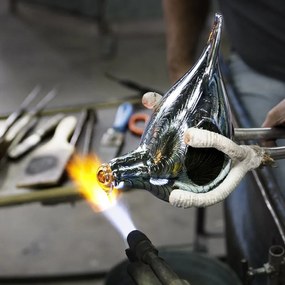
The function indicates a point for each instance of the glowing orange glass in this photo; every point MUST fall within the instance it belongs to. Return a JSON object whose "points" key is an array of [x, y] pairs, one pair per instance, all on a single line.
{"points": [[83, 171]]}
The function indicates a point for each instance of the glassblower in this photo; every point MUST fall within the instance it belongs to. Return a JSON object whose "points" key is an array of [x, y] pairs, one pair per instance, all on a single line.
{"points": [[186, 155]]}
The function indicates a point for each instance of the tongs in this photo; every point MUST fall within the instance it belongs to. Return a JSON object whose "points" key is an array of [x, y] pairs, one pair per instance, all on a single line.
{"points": [[245, 134], [22, 120]]}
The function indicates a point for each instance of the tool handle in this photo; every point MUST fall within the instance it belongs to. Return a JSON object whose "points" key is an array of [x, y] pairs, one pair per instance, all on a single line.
{"points": [[50, 125], [18, 126], [23, 147], [275, 152], [92, 117], [79, 126], [20, 146], [64, 129], [122, 117], [22, 133], [259, 133], [10, 121]]}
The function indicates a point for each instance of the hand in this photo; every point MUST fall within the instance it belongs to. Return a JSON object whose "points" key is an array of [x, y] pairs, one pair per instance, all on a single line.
{"points": [[276, 116]]}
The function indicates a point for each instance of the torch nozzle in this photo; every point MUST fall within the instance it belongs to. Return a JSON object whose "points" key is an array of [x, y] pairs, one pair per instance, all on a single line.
{"points": [[105, 177], [142, 254]]}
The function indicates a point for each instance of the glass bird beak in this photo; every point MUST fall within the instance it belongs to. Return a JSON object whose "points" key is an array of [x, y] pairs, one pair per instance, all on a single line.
{"points": [[105, 177]]}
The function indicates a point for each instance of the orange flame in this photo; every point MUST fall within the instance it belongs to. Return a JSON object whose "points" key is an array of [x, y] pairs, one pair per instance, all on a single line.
{"points": [[83, 171]]}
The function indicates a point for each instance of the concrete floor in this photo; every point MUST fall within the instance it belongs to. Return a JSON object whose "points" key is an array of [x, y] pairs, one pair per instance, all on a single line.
{"points": [[38, 46]]}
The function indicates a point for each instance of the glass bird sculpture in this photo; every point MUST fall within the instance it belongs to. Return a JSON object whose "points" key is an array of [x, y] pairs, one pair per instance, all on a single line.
{"points": [[163, 162]]}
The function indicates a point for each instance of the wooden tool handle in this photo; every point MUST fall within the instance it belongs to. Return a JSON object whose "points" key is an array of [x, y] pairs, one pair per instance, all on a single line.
{"points": [[65, 129]]}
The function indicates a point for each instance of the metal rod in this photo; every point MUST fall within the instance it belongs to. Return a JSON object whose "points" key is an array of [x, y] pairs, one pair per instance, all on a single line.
{"points": [[275, 152], [259, 133], [79, 126], [92, 118], [47, 195]]}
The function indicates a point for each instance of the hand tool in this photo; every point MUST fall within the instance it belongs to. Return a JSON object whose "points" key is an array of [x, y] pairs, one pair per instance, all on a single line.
{"points": [[87, 118], [21, 126], [47, 163], [14, 116], [34, 139], [24, 120], [91, 120], [79, 127], [112, 141], [85, 125]]}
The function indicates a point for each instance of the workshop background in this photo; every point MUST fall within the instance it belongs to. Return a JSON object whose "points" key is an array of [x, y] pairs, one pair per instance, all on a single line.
{"points": [[71, 45]]}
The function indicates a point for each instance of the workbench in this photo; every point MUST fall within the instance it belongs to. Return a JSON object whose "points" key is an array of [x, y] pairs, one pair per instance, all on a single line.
{"points": [[11, 195]]}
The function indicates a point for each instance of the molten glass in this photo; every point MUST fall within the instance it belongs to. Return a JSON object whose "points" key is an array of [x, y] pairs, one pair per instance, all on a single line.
{"points": [[83, 171]]}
